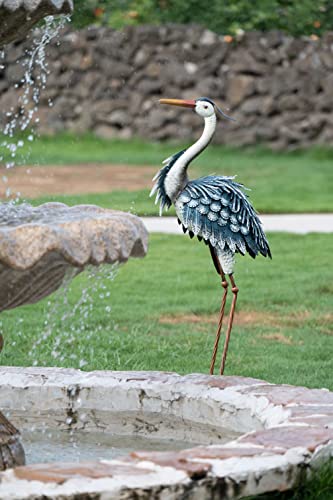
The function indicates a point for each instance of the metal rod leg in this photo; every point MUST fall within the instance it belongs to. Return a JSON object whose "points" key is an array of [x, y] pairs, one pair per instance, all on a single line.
{"points": [[234, 290], [218, 333]]}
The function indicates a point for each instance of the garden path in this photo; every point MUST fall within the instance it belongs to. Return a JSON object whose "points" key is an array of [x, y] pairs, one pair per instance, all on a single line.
{"points": [[291, 223]]}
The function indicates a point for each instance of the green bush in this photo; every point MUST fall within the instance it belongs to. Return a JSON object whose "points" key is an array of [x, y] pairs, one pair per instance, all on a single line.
{"points": [[304, 17]]}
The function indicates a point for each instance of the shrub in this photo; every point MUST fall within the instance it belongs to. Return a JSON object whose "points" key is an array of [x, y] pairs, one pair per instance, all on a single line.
{"points": [[304, 17]]}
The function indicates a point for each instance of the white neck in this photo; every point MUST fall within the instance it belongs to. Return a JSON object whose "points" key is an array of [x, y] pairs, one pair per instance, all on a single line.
{"points": [[177, 177], [196, 148]]}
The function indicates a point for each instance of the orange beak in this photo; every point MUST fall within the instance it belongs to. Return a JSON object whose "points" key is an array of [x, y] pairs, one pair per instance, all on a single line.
{"points": [[179, 102]]}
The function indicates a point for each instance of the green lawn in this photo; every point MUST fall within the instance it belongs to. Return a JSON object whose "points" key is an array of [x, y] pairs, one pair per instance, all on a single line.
{"points": [[290, 339], [299, 181]]}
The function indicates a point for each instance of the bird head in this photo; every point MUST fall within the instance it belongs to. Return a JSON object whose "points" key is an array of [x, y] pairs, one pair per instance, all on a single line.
{"points": [[203, 106]]}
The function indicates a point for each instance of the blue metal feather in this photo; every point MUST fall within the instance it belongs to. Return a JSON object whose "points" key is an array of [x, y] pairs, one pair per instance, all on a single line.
{"points": [[222, 215]]}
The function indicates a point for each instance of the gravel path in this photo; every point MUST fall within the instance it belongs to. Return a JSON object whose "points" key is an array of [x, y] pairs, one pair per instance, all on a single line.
{"points": [[291, 223]]}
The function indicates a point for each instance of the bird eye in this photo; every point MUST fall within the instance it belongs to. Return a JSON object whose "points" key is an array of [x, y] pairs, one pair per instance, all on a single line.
{"points": [[206, 107]]}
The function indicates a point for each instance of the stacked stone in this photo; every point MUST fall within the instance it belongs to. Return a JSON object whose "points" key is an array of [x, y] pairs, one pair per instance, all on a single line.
{"points": [[277, 87]]}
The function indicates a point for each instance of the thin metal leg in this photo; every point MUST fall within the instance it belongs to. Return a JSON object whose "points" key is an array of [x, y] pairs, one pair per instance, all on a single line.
{"points": [[234, 290], [218, 333]]}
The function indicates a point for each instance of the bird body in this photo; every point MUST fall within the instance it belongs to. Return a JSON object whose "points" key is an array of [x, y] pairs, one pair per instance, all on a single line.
{"points": [[213, 208]]}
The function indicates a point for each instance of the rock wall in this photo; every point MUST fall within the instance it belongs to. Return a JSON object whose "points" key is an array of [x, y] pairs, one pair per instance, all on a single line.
{"points": [[278, 88]]}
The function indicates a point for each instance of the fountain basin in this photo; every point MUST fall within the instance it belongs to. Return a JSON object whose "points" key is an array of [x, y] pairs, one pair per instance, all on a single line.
{"points": [[78, 446], [38, 246], [19, 16], [285, 432]]}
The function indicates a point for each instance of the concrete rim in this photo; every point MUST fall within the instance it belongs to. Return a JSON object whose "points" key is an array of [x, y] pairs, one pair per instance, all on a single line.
{"points": [[292, 429]]}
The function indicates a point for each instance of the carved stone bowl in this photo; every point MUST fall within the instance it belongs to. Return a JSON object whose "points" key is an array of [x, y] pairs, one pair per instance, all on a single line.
{"points": [[18, 16], [39, 245]]}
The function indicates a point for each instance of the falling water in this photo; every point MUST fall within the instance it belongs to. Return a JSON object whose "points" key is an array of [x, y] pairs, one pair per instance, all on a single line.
{"points": [[23, 118], [69, 330]]}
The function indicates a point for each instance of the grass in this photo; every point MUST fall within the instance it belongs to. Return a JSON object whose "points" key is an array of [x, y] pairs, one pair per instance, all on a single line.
{"points": [[299, 181], [294, 291], [136, 202]]}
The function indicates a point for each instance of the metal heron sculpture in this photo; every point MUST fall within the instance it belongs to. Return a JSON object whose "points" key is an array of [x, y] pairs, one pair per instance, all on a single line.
{"points": [[213, 208]]}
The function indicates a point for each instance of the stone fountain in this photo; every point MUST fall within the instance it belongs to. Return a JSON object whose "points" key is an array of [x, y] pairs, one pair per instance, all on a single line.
{"points": [[38, 246]]}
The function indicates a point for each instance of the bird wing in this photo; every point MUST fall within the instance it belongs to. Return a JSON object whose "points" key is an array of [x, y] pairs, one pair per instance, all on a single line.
{"points": [[217, 210], [159, 189]]}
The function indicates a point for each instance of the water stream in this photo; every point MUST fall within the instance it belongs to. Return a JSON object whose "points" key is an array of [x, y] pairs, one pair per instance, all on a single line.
{"points": [[22, 118], [66, 335]]}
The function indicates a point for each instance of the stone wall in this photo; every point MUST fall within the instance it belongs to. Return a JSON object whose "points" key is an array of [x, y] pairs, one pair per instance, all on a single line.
{"points": [[278, 88]]}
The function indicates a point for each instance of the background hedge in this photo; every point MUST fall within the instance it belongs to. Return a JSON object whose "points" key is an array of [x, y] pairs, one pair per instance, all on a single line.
{"points": [[297, 17]]}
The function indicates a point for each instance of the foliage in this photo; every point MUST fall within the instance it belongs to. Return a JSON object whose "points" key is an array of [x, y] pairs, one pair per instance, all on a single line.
{"points": [[89, 12], [223, 16]]}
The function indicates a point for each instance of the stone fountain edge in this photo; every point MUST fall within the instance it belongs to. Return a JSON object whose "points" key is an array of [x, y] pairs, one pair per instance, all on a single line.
{"points": [[296, 435]]}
